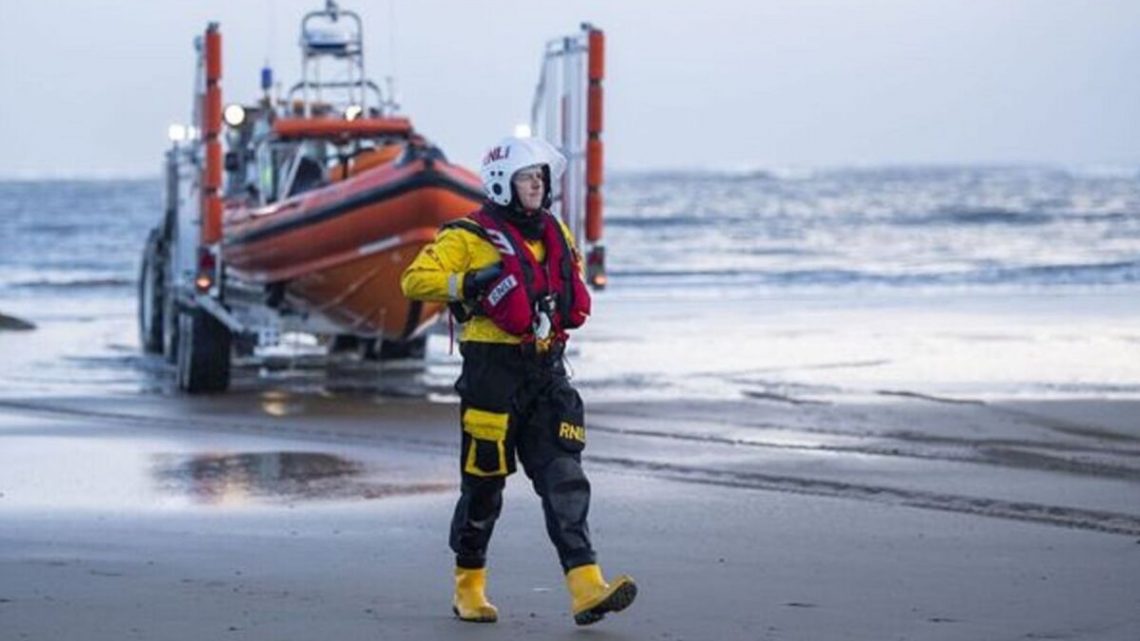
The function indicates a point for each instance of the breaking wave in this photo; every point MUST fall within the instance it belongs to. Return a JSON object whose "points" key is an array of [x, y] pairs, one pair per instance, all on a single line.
{"points": [[1036, 275]]}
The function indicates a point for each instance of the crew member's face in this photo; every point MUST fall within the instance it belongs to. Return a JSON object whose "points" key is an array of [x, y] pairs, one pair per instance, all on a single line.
{"points": [[529, 187]]}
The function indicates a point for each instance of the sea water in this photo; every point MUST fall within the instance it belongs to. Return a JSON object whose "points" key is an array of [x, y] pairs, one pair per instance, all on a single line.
{"points": [[950, 280]]}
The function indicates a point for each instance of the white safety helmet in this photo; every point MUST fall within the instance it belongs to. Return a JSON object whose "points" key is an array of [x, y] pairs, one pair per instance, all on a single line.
{"points": [[512, 154]]}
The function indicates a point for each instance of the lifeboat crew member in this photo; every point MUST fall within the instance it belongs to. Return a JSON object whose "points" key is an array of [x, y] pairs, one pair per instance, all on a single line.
{"points": [[512, 276]]}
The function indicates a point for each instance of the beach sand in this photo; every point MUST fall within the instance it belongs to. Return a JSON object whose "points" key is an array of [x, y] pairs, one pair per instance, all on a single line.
{"points": [[799, 487]]}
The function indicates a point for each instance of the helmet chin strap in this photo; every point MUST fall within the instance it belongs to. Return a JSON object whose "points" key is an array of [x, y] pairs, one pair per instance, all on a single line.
{"points": [[526, 221]]}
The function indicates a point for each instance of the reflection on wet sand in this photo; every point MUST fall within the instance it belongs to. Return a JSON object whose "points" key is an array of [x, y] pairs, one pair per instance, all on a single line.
{"points": [[280, 403], [283, 381], [228, 479]]}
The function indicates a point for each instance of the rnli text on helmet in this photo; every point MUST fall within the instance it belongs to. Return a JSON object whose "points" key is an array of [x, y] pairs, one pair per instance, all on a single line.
{"points": [[498, 153]]}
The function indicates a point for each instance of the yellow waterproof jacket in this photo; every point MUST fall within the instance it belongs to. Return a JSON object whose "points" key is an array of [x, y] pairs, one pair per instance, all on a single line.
{"points": [[436, 275]]}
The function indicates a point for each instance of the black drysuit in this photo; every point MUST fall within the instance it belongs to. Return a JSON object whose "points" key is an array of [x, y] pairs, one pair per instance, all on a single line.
{"points": [[545, 427]]}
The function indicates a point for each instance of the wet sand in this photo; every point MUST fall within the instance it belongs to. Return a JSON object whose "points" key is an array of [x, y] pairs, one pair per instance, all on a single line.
{"points": [[172, 518], [809, 468]]}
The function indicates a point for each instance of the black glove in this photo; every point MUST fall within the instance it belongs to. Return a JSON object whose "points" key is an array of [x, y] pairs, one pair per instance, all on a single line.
{"points": [[476, 282]]}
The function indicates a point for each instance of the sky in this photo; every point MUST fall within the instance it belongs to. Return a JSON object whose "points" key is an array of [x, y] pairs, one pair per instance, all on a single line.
{"points": [[91, 86]]}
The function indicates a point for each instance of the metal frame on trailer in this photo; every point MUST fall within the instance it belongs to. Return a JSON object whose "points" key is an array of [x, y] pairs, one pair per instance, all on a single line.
{"points": [[567, 112]]}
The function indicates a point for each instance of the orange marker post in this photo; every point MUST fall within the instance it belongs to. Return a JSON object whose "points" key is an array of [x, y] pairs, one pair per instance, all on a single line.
{"points": [[211, 133], [594, 110]]}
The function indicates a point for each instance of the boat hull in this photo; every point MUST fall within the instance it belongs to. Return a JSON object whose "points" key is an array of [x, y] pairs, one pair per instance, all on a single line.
{"points": [[339, 251]]}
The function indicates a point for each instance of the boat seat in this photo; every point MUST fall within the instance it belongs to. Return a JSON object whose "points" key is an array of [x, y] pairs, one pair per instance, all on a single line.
{"points": [[310, 175], [367, 159]]}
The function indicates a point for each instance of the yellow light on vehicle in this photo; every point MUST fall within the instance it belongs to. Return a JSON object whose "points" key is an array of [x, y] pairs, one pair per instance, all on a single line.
{"points": [[204, 282], [234, 115]]}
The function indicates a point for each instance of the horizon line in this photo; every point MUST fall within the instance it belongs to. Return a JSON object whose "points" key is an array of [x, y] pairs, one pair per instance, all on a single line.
{"points": [[774, 171]]}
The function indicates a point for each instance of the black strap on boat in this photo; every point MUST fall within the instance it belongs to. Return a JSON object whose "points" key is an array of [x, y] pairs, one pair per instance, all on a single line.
{"points": [[414, 309]]}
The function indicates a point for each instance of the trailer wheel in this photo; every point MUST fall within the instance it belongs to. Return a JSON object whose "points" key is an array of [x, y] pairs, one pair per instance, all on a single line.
{"points": [[150, 296], [382, 350], [203, 353], [170, 317], [344, 344]]}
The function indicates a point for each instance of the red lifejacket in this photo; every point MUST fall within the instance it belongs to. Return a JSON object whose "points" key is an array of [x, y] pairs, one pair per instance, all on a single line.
{"points": [[515, 299]]}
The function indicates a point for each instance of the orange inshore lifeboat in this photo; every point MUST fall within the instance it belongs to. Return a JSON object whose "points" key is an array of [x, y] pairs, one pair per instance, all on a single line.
{"points": [[298, 210], [338, 248]]}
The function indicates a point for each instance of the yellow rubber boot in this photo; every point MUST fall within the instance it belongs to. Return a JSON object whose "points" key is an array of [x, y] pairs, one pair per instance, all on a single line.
{"points": [[470, 603], [591, 597]]}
